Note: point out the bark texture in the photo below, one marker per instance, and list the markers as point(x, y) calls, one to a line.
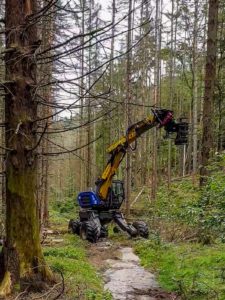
point(23, 259)
point(210, 76)
point(45, 110)
point(127, 109)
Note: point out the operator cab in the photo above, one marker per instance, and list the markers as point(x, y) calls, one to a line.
point(116, 196)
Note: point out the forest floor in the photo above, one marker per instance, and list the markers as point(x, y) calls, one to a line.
point(124, 277)
point(185, 250)
point(98, 271)
point(67, 254)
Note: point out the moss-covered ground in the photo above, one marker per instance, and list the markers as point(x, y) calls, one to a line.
point(69, 256)
point(186, 246)
point(193, 270)
point(185, 249)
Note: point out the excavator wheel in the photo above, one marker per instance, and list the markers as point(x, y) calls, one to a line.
point(142, 228)
point(74, 226)
point(116, 229)
point(89, 231)
point(104, 232)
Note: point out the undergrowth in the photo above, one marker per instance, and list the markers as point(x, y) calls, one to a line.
point(69, 257)
point(186, 246)
point(62, 211)
point(193, 270)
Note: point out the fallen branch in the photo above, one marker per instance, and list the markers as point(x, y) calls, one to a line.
point(48, 292)
point(21, 294)
point(136, 198)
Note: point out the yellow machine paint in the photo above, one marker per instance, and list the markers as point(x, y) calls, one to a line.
point(101, 207)
point(117, 151)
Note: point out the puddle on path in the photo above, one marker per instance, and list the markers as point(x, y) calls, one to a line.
point(127, 280)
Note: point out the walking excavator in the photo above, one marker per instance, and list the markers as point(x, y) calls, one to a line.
point(102, 206)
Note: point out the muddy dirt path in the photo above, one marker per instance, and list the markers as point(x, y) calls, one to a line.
point(124, 277)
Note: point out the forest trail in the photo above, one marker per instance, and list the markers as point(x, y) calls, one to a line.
point(124, 277)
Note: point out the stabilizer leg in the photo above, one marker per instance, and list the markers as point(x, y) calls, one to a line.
point(122, 223)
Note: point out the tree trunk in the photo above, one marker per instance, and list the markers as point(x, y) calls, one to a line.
point(210, 76)
point(171, 91)
point(23, 258)
point(2, 151)
point(156, 99)
point(195, 92)
point(45, 72)
point(128, 112)
point(81, 132)
point(112, 131)
point(88, 101)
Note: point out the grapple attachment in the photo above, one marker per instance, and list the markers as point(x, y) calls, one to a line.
point(182, 132)
point(171, 126)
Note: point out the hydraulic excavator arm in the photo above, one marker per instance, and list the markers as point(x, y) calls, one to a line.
point(101, 207)
point(160, 118)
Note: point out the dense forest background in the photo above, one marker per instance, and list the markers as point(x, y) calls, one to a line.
point(90, 70)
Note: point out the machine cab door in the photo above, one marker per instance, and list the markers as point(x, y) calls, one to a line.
point(117, 194)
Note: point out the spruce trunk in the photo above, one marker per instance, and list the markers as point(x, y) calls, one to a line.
point(23, 258)
point(210, 77)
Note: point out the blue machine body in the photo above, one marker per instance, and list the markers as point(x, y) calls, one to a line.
point(88, 199)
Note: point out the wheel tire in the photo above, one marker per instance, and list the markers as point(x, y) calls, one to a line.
point(116, 229)
point(89, 231)
point(74, 226)
point(142, 228)
point(104, 232)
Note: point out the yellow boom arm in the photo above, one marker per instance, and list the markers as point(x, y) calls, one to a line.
point(118, 150)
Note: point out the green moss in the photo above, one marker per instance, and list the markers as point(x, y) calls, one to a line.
point(6, 285)
point(184, 212)
point(69, 252)
point(81, 278)
point(27, 242)
point(193, 270)
point(23, 184)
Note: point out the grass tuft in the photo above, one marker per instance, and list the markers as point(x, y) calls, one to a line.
point(82, 280)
